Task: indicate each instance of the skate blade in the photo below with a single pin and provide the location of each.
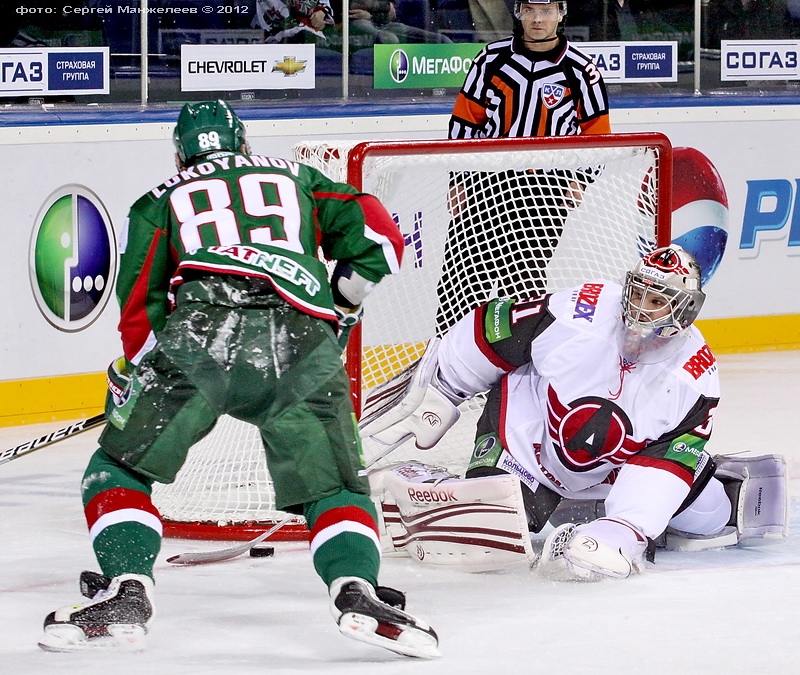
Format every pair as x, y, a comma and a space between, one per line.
68, 638
405, 640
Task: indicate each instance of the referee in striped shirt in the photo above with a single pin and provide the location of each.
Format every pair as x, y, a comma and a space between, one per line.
533, 83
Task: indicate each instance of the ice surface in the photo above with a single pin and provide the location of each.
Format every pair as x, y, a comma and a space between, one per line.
726, 611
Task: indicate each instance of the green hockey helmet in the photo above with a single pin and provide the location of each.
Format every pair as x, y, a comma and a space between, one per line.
206, 127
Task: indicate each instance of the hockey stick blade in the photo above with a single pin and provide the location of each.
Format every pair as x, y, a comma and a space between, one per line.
203, 557
389, 448
53, 437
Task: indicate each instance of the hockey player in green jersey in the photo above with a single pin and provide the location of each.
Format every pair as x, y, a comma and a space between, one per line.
225, 308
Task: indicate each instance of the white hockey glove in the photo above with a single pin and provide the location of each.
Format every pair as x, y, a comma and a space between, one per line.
349, 288
592, 552
758, 492
413, 404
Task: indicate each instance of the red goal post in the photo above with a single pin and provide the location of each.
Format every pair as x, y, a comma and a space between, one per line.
622, 208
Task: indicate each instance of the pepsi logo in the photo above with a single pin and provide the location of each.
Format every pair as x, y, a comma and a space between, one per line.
700, 209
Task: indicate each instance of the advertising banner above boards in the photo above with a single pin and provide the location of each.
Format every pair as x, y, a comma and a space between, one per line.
760, 60
45, 71
415, 66
237, 67
634, 61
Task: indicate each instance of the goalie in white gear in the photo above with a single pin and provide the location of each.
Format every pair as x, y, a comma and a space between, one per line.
607, 392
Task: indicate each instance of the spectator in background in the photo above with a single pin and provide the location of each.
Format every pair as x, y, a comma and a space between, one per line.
607, 20
378, 20
747, 20
460, 20
295, 21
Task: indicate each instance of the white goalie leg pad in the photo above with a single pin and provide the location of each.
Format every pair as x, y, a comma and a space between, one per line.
757, 489
389, 524
604, 548
414, 403
475, 524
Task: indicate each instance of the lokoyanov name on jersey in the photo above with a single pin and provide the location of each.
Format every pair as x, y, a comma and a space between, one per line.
586, 301
225, 163
272, 263
702, 361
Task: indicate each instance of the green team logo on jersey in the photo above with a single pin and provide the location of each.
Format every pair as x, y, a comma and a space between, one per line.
73, 258
684, 453
497, 323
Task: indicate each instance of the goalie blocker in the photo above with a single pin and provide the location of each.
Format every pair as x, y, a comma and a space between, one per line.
413, 404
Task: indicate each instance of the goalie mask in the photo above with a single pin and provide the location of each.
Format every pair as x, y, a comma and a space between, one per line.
661, 298
207, 127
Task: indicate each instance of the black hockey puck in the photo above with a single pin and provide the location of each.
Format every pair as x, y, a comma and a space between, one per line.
262, 551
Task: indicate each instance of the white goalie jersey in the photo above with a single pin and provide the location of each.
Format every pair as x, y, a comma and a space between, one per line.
570, 413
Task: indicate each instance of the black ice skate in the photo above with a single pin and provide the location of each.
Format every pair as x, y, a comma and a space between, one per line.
116, 617
363, 615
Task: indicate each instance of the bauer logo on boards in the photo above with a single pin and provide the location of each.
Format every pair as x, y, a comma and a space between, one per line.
73, 258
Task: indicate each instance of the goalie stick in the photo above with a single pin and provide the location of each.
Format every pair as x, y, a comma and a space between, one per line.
204, 557
53, 437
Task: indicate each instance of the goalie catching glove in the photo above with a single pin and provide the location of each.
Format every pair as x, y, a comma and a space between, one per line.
415, 403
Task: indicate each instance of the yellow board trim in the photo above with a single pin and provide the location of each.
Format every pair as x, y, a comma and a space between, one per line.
752, 333
53, 399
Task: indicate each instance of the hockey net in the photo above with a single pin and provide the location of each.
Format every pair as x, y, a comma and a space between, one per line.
602, 199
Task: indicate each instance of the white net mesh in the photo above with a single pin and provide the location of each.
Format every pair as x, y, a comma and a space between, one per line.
494, 221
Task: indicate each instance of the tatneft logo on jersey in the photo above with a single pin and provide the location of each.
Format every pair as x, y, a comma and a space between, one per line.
586, 301
272, 263
398, 66
553, 94
72, 258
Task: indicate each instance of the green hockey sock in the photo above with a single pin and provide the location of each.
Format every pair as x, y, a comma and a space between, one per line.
344, 537
124, 525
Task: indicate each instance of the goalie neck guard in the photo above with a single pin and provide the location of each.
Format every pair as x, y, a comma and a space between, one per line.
207, 127
661, 298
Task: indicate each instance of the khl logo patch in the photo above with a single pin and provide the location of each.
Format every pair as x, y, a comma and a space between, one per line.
553, 94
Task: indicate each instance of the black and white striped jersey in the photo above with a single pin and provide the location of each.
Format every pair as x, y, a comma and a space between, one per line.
513, 92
